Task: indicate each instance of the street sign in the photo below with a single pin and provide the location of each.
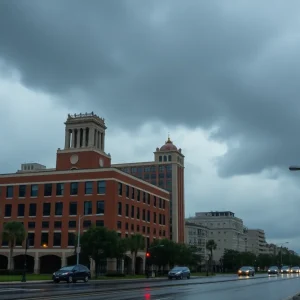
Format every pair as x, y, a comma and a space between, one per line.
78, 249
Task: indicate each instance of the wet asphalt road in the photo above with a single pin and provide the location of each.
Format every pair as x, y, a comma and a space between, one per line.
232, 288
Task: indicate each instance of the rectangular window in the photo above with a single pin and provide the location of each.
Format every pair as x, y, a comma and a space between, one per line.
138, 213
31, 225
9, 191
73, 208
148, 198
169, 167
148, 216
153, 176
71, 239
31, 238
57, 224
88, 209
72, 224
144, 215
101, 187
87, 223
32, 209
7, 210
119, 208
89, 188
60, 189
132, 211
163, 204
147, 169
99, 223
127, 191
126, 226
44, 239
161, 168
144, 197
127, 210
132, 192
119, 225
154, 217
74, 188
154, 201
21, 210
169, 175
46, 209
138, 195
45, 224
22, 191
120, 189
57, 239
161, 175
58, 208
133, 170
34, 189
159, 205
160, 158
48, 189
100, 207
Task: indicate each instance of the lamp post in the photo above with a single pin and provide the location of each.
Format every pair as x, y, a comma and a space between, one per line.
78, 235
281, 251
25, 260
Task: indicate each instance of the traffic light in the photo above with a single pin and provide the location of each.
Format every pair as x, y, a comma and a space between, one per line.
148, 255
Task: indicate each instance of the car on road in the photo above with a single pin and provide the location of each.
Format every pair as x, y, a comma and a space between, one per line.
273, 270
72, 274
285, 270
295, 270
246, 271
179, 273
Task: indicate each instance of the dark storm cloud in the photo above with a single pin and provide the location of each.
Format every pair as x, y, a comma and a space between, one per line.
232, 64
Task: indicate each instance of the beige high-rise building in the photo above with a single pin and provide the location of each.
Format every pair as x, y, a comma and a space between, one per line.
196, 235
256, 241
224, 228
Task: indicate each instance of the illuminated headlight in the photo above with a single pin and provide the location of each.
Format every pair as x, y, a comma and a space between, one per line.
269, 270
240, 271
54, 273
66, 273
178, 273
247, 271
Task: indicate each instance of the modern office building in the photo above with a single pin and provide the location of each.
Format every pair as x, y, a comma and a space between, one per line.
224, 228
84, 188
167, 172
256, 241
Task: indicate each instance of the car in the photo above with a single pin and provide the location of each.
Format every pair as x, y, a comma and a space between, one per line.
246, 271
273, 270
179, 273
285, 270
295, 270
72, 274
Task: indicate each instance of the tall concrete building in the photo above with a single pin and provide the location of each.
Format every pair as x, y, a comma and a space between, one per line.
167, 172
256, 241
224, 228
196, 235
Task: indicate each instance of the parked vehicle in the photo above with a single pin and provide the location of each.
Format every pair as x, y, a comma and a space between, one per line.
295, 270
72, 274
273, 270
246, 271
179, 273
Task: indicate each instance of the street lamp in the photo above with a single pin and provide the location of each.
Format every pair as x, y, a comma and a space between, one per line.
78, 234
294, 168
25, 260
281, 251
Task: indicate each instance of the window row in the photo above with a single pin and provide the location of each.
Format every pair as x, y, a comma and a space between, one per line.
165, 158
135, 212
143, 229
58, 209
131, 192
147, 169
89, 187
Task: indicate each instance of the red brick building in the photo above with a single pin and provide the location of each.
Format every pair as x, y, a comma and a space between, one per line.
85, 188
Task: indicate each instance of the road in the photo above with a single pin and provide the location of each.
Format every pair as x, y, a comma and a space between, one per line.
219, 287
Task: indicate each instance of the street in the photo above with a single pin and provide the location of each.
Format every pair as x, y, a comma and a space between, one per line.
219, 287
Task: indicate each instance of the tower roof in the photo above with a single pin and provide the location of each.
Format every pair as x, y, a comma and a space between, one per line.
168, 146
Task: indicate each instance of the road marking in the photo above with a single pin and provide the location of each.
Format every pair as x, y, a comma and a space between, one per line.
18, 289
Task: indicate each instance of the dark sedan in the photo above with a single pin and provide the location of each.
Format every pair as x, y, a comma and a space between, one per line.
285, 270
72, 274
295, 270
274, 270
179, 273
246, 271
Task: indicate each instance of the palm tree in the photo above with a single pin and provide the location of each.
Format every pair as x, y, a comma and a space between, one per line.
136, 242
13, 232
210, 246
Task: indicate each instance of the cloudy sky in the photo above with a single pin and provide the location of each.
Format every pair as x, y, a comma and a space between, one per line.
221, 76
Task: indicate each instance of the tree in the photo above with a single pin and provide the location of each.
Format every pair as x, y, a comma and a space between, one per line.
101, 243
210, 246
13, 232
136, 242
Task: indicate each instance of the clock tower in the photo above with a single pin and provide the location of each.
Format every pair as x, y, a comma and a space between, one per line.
84, 143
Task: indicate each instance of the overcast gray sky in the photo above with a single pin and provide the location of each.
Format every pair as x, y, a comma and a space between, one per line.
221, 76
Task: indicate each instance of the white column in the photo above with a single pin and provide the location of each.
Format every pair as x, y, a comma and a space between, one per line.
91, 137
73, 138
84, 137
98, 140
102, 140
63, 260
78, 138
36, 268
